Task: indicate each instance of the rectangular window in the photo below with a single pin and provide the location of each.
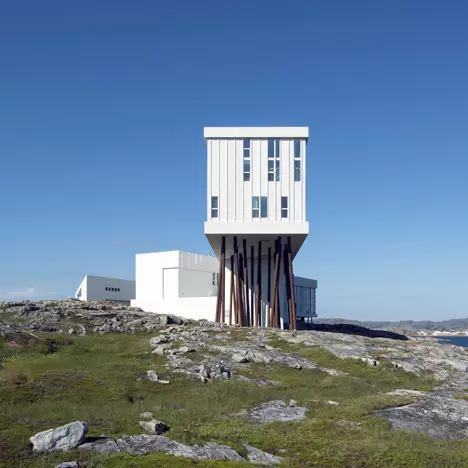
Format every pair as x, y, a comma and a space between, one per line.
246, 170
246, 145
271, 170
284, 207
297, 149
214, 207
297, 170
273, 160
255, 207
264, 207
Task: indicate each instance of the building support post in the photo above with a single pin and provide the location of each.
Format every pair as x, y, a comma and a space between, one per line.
275, 286
231, 292
220, 300
268, 312
222, 280
291, 275
287, 283
252, 288
237, 281
259, 286
246, 276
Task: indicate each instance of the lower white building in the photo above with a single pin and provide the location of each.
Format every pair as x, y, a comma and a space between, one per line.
180, 283
100, 288
186, 284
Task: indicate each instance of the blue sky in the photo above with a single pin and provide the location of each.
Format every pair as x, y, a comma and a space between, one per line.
102, 108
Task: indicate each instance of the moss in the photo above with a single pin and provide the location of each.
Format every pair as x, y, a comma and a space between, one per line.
98, 379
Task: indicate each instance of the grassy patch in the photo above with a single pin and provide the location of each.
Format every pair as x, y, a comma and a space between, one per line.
98, 379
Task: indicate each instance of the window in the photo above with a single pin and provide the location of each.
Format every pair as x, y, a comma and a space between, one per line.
297, 149
255, 207
246, 170
273, 160
297, 170
246, 159
107, 288
213, 280
246, 147
297, 160
264, 207
214, 207
284, 207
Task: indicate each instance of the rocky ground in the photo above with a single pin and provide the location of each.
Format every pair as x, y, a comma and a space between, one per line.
252, 377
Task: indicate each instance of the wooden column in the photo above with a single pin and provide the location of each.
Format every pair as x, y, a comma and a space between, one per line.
278, 305
252, 288
241, 288
259, 286
291, 275
246, 275
221, 281
237, 284
287, 282
269, 324
275, 286
220, 299
231, 292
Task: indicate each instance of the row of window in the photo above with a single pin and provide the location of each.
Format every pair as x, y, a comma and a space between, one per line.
273, 160
259, 207
113, 289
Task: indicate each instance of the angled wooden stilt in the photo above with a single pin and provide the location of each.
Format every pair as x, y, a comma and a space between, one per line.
246, 276
268, 312
259, 286
231, 291
292, 292
252, 288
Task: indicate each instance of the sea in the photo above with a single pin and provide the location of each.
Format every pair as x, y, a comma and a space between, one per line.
453, 340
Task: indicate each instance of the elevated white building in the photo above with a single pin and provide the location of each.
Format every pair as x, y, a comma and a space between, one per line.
255, 223
101, 288
256, 219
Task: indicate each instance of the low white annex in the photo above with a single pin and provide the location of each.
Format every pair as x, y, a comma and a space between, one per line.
101, 288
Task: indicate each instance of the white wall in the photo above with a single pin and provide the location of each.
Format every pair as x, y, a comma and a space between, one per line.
93, 288
226, 180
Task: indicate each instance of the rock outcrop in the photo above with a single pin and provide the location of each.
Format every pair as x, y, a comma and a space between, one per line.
62, 438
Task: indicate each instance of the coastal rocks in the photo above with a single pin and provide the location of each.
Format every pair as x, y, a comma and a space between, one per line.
257, 456
154, 427
152, 376
62, 438
440, 413
69, 464
276, 410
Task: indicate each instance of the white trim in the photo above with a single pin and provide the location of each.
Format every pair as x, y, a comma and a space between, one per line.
256, 132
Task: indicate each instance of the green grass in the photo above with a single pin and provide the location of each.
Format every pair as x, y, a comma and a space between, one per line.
96, 379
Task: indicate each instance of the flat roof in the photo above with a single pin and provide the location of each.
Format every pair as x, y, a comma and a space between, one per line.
256, 132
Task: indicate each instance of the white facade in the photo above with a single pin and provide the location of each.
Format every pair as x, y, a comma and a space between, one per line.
100, 288
256, 193
178, 283
186, 284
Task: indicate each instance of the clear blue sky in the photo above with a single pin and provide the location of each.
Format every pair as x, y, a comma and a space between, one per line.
102, 108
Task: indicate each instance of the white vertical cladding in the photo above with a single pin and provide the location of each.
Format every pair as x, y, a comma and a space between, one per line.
297, 206
223, 181
208, 179
263, 153
303, 180
238, 176
285, 177
255, 175
214, 176
231, 180
247, 187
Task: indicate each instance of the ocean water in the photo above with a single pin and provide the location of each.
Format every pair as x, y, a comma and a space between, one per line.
454, 340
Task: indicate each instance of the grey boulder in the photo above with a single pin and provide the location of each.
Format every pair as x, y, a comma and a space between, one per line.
62, 438
257, 456
70, 464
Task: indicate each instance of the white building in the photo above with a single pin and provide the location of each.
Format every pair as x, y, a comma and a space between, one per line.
256, 224
100, 288
186, 284
256, 219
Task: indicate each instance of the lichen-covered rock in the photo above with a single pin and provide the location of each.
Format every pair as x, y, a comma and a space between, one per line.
62, 438
274, 411
257, 456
